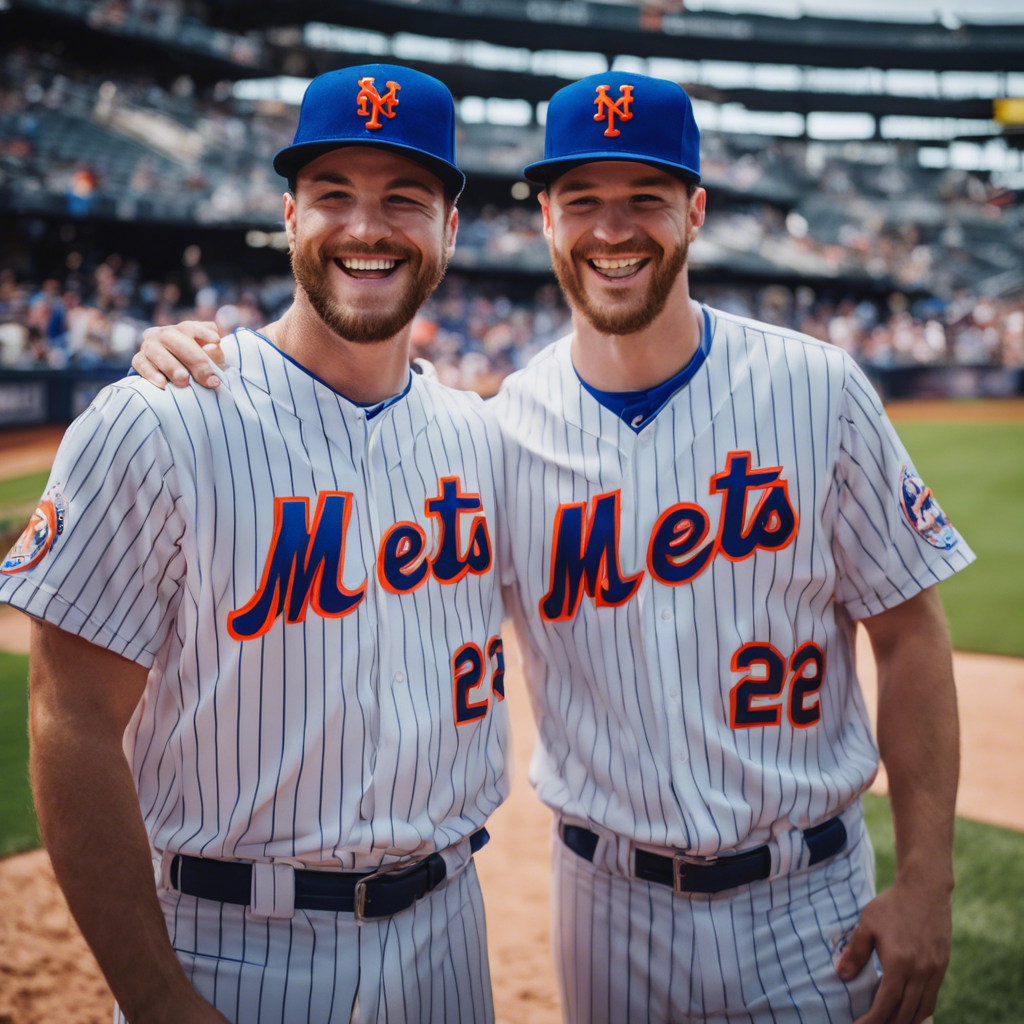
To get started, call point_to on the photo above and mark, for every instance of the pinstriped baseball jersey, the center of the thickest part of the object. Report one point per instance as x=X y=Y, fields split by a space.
x=687 y=592
x=314 y=590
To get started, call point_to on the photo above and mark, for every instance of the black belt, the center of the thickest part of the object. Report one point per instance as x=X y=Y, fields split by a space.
x=369 y=895
x=693 y=874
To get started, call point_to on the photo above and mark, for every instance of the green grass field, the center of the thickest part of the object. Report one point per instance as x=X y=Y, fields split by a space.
x=18 y=829
x=18 y=498
x=977 y=473
x=985 y=981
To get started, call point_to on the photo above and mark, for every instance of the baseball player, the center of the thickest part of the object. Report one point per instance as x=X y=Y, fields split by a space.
x=701 y=508
x=266 y=662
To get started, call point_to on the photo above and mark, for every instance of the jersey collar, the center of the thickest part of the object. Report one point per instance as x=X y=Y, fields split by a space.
x=584 y=411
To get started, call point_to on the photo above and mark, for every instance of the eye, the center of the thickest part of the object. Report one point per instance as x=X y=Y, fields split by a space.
x=582 y=201
x=646 y=197
x=399 y=200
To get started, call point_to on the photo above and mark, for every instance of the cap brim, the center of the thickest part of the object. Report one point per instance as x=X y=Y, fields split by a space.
x=544 y=172
x=290 y=160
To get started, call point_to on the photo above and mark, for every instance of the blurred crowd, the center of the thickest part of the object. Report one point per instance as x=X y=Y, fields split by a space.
x=899 y=265
x=76 y=142
x=473 y=330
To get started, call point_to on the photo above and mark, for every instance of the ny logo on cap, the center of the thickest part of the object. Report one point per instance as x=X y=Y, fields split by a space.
x=610 y=109
x=386 y=103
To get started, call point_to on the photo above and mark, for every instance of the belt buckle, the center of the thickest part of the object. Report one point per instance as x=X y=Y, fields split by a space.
x=359 y=894
x=681 y=861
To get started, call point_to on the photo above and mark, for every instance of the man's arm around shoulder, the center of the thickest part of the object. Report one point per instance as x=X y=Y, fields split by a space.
x=81 y=698
x=910 y=924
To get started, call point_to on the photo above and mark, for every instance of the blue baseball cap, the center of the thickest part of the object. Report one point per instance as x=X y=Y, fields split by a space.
x=382 y=105
x=619 y=116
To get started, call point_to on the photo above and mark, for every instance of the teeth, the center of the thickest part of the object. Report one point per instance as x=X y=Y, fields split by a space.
x=616 y=264
x=350 y=263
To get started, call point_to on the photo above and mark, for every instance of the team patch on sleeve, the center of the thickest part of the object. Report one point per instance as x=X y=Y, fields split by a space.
x=923 y=513
x=45 y=526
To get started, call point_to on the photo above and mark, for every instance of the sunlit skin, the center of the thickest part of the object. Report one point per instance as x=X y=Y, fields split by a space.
x=351 y=323
x=635 y=330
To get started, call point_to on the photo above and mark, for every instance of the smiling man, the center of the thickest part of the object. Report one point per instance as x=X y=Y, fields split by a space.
x=700 y=509
x=280 y=597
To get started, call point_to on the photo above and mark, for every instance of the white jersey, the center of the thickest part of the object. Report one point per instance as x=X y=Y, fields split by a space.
x=314 y=590
x=686 y=594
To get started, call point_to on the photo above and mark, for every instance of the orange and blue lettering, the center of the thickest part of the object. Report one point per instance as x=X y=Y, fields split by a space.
x=586 y=560
x=678 y=531
x=768 y=687
x=303 y=567
x=610 y=109
x=450 y=565
x=378 y=104
x=467 y=674
x=801 y=687
x=401 y=560
x=742 y=713
x=773 y=522
x=496 y=652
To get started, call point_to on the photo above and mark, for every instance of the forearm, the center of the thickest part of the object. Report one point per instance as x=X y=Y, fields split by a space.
x=918 y=738
x=91 y=824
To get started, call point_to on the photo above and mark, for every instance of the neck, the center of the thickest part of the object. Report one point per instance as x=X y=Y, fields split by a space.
x=634 y=362
x=365 y=372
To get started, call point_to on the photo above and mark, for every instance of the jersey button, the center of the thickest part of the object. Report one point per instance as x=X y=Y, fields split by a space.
x=645 y=439
x=674 y=693
x=399 y=677
x=666 y=614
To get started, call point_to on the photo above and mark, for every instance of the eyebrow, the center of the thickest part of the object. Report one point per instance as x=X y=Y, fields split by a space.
x=334 y=178
x=585 y=185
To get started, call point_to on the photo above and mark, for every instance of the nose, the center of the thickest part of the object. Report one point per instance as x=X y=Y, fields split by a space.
x=613 y=224
x=368 y=222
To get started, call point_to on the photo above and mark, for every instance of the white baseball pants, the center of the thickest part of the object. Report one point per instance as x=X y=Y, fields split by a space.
x=634 y=952
x=425 y=964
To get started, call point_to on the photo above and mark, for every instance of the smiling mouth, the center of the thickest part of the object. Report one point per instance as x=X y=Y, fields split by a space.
x=363 y=268
x=618 y=269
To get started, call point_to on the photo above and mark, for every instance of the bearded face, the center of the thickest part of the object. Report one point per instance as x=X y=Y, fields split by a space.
x=612 y=309
x=361 y=318
x=619 y=234
x=370 y=233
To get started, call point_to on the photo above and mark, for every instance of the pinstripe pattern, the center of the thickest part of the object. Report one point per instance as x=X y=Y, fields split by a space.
x=633 y=701
x=632 y=952
x=325 y=741
x=424 y=965
x=637 y=738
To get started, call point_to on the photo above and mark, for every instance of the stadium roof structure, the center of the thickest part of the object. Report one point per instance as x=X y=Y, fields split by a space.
x=703 y=35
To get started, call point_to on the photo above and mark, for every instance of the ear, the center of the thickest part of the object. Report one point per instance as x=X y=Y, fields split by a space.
x=289 y=219
x=696 y=212
x=545 y=208
x=451 y=230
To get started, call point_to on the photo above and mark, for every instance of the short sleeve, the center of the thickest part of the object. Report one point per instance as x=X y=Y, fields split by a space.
x=100 y=557
x=892 y=538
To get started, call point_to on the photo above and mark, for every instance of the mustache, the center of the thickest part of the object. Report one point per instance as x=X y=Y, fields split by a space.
x=631 y=247
x=360 y=250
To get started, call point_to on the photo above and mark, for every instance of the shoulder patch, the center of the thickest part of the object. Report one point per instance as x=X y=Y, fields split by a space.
x=923 y=513
x=44 y=527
